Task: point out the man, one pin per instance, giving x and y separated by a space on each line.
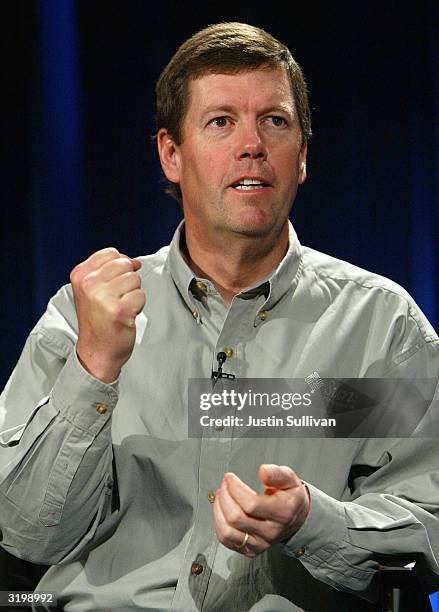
103 478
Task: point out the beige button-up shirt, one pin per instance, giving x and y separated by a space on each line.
104 480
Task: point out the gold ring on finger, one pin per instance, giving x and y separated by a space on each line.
244 542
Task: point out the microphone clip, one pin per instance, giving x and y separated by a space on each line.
221 357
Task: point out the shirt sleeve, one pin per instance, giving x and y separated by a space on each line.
389 515
55 444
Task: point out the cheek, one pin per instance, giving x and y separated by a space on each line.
212 165
208 173
288 168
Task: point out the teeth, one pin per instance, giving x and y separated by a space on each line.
249 184
249 187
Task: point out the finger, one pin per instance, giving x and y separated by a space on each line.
115 267
99 258
93 264
229 536
265 530
233 512
278 477
120 285
275 507
236 483
135 301
244 496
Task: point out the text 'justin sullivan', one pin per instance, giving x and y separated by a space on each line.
270 421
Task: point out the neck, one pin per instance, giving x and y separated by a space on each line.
235 264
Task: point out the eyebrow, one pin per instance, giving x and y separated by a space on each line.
228 108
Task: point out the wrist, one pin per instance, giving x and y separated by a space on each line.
103 369
301 515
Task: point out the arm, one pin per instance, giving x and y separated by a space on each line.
390 516
55 472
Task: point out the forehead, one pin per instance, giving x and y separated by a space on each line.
260 87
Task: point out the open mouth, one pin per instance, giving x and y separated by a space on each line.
249 184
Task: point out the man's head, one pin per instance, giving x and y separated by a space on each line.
224 48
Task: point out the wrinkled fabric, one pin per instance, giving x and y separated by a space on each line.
117 497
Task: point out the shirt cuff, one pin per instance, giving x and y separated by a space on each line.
81 399
323 531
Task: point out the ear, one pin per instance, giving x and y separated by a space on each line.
302 163
169 154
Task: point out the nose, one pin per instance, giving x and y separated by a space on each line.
249 144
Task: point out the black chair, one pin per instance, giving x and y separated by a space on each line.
401 590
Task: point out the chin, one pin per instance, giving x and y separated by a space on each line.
252 229
255 223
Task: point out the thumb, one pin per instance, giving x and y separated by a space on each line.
278 477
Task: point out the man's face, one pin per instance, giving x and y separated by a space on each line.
241 157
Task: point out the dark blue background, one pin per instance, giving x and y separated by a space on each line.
80 171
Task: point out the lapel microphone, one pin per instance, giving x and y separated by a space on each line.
221 358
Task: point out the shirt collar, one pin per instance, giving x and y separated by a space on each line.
280 281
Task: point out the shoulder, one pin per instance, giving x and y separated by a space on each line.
330 268
365 292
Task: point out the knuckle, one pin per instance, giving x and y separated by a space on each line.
289 508
263 546
134 279
271 534
115 310
140 302
98 258
116 265
73 276
251 506
88 281
234 517
76 274
107 251
222 537
227 534
124 262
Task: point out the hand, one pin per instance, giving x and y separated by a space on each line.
268 518
106 289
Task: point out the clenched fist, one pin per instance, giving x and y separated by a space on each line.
108 297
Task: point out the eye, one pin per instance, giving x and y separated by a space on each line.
219 122
277 121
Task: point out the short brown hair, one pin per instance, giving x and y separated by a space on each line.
225 48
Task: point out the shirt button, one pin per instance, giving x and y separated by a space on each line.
262 314
300 551
196 569
228 351
195 314
211 496
201 286
101 408
219 427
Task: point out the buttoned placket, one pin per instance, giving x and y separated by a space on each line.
230 327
